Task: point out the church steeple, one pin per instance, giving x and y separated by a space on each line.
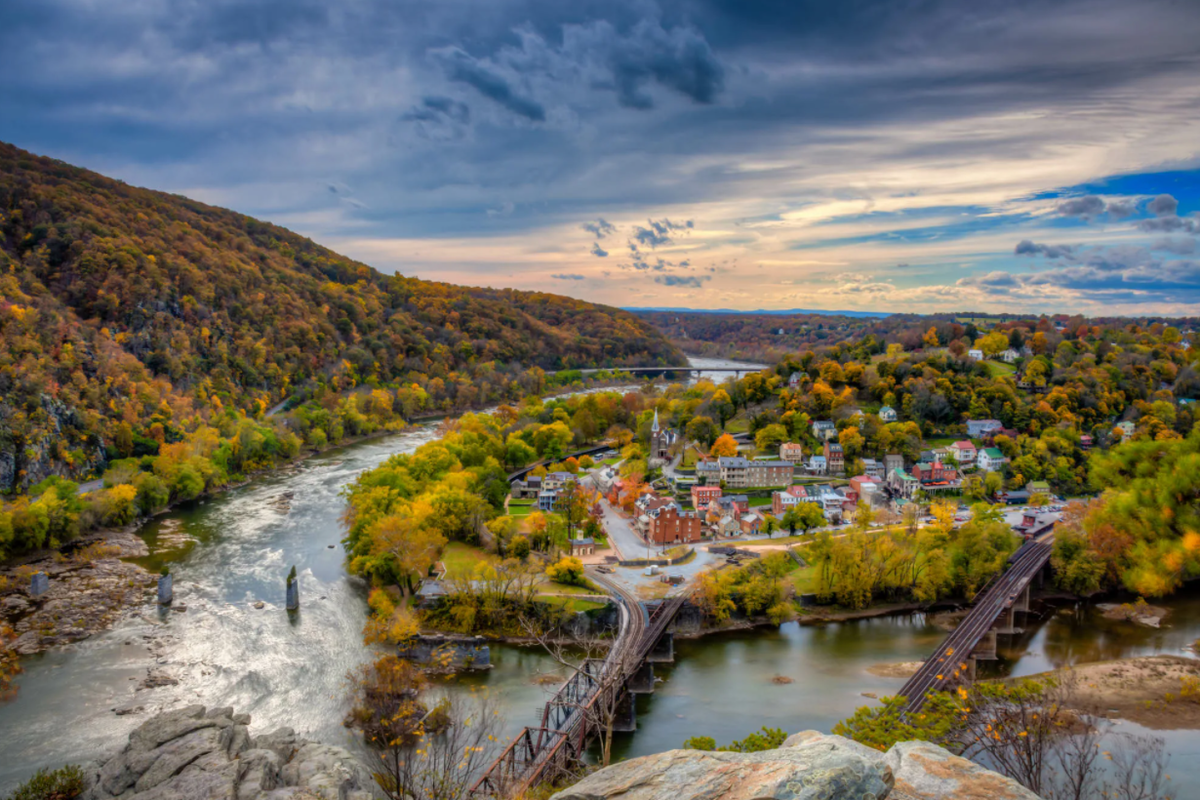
654 427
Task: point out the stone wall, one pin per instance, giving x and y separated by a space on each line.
194 753
809 766
448 652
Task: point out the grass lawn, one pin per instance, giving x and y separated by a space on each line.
940 441
803 579
608 462
999 369
460 559
551 587
759 502
737 425
573 604
689 458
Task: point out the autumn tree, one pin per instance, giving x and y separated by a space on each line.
724 446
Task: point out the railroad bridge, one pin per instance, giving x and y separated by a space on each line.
600 690
993 614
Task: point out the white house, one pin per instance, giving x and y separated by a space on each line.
1009 356
796 379
975 354
887 414
817 465
1127 428
990 459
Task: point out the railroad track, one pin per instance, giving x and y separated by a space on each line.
949 660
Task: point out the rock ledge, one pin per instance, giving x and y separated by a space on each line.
197 753
809 766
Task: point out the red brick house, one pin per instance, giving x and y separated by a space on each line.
669 525
703 495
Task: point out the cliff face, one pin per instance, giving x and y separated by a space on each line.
54 440
194 753
809 766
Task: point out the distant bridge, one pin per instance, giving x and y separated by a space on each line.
735 371
570 718
993 614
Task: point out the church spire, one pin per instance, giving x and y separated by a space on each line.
654 427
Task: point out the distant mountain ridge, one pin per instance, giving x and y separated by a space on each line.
771 311
122 306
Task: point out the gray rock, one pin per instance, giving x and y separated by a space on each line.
927 772
179 753
258 771
188 753
282 741
814 770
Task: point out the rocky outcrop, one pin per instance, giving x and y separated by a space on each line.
31 452
84 596
809 766
197 753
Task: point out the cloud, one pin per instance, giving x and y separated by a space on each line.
1092 205
1028 248
695 281
1180 247
461 67
567 277
1164 205
1088 206
659 232
1171 223
600 228
598 251
650 236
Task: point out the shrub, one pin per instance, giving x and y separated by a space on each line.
63 783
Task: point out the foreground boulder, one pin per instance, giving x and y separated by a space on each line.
809 766
210 755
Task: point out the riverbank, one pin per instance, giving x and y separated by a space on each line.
1152 691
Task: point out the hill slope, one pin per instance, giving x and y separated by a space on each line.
125 305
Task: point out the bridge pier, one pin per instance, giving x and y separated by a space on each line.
664 650
642 680
625 715
986 648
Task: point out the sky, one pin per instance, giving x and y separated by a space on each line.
908 155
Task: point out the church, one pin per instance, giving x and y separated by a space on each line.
661 439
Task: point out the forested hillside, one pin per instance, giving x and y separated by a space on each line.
129 317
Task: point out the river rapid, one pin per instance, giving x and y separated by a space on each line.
233 551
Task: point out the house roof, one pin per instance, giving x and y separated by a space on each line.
993 452
586 540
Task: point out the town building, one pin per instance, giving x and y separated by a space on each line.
751 523
791 452
964 453
546 499
872 468
975 354
709 470
703 495
817 465
741 473
731 504
980 427
1127 428
796 379
937 477
903 484
661 439
582 547
990 459
1036 488
887 414
1086 442
669 525
824 429
527 489
1009 356
556 480
782 501
834 458
892 461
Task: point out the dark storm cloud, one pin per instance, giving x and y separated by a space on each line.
1088 206
695 281
463 68
597 250
1028 248
1164 205
600 228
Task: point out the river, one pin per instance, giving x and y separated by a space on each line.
234 550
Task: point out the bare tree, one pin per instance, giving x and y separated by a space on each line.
586 656
427 752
